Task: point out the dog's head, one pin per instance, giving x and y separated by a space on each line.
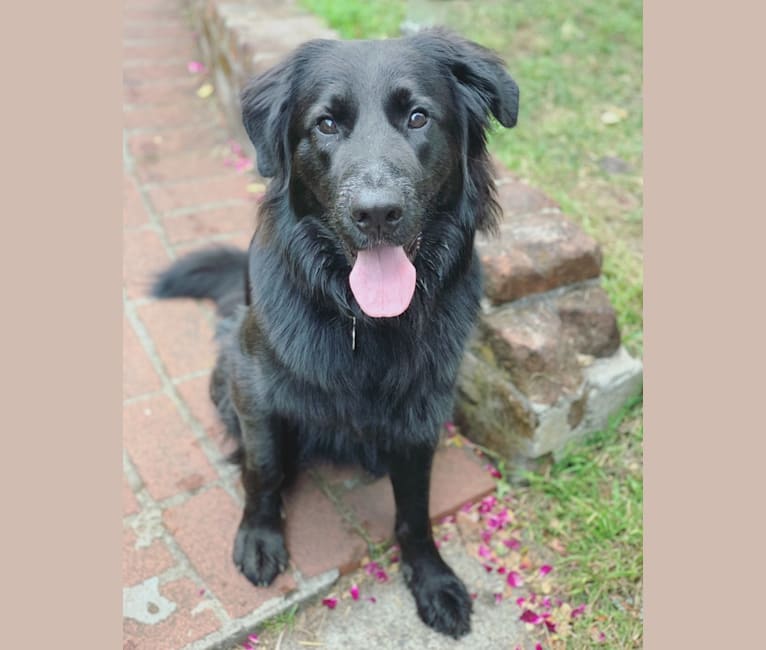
378 138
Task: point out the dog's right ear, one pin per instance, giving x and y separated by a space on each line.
266 117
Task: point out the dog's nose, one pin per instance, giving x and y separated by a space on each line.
378 211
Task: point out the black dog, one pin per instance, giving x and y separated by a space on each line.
361 283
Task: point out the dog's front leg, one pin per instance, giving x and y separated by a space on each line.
442 600
259 547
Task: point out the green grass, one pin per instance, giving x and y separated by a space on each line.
573 62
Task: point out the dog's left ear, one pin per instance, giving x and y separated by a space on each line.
484 82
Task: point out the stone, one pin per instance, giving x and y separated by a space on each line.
534 253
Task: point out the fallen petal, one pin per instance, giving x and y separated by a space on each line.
195 67
551 626
545 569
498 599
514 579
205 90
354 591
528 616
578 611
330 603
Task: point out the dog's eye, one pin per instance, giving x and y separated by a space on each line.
417 120
327 126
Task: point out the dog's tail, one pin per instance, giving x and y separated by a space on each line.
215 273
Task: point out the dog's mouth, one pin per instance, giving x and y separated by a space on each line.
383 278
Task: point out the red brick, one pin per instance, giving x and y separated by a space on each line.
205 527
143 255
136 71
184 625
199 140
455 479
201 164
174 115
373 504
339 474
138 564
182 335
317 537
239 240
133 211
159 93
190 194
206 223
138 374
129 503
195 392
159 51
149 29
164 450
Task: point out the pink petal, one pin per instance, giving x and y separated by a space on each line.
513 543
492 471
467 507
545 569
330 603
449 427
484 550
546 602
381 575
488 568
253 638
487 503
201 592
242 164
247 646
486 535
372 599
528 616
354 591
520 601
501 570
601 637
538 646
394 559
551 626
449 519
514 579
474 596
578 611
371 567
498 599
195 66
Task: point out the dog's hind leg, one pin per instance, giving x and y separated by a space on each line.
442 600
259 547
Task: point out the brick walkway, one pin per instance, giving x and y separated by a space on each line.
181 501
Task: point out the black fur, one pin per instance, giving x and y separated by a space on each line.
303 373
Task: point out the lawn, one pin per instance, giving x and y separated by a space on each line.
579 139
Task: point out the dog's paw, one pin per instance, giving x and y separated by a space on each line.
259 553
442 600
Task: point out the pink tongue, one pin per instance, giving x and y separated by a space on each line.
383 281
